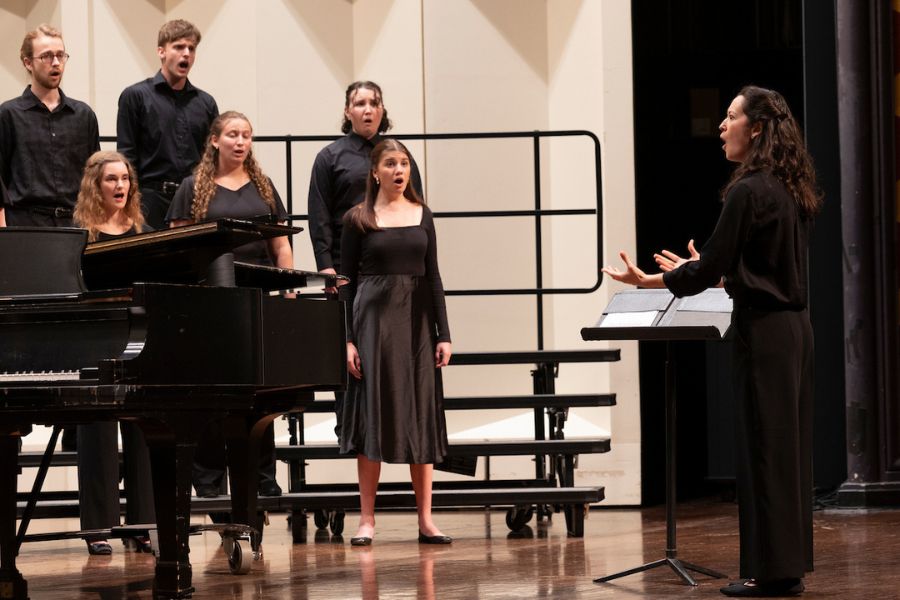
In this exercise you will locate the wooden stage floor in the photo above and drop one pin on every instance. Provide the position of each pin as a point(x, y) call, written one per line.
point(856, 557)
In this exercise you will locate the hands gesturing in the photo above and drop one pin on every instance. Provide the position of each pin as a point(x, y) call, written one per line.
point(669, 261)
point(666, 260)
point(632, 275)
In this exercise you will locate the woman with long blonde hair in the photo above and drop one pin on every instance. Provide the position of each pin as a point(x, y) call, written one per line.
point(229, 183)
point(109, 206)
point(109, 202)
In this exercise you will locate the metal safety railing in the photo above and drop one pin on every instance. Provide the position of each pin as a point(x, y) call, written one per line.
point(539, 290)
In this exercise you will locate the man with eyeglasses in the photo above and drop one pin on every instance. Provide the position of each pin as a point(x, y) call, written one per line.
point(163, 121)
point(45, 139)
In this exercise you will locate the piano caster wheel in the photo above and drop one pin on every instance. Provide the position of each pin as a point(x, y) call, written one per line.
point(337, 522)
point(240, 556)
point(518, 517)
point(320, 517)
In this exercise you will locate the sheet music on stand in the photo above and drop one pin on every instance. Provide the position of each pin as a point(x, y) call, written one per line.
point(657, 315)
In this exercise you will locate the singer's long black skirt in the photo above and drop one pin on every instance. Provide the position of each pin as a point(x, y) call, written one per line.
point(395, 413)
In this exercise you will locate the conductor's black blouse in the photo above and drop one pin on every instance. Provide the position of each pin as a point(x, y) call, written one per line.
point(760, 247)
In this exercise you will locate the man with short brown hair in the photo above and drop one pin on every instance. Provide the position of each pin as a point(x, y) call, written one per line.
point(163, 121)
point(45, 139)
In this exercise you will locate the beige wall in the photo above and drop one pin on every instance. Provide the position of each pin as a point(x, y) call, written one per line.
point(445, 66)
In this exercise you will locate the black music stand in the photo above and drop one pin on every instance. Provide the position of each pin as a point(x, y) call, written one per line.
point(657, 315)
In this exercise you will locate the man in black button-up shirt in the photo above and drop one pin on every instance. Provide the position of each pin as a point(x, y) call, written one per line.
point(45, 139)
point(163, 121)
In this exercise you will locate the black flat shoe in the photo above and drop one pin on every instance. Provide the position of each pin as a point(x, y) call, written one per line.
point(98, 547)
point(434, 539)
point(361, 541)
point(138, 544)
point(207, 491)
point(270, 489)
point(770, 589)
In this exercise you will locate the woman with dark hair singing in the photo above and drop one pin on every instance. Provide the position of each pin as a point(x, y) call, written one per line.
point(397, 339)
point(337, 182)
point(759, 250)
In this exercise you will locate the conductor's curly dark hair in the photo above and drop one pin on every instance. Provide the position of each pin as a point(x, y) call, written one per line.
point(779, 148)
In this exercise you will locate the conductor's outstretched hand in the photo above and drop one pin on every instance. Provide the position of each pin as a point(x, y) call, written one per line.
point(669, 261)
point(632, 275)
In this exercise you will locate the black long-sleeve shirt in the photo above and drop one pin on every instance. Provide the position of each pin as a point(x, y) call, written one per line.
point(760, 245)
point(337, 184)
point(162, 131)
point(43, 152)
point(394, 251)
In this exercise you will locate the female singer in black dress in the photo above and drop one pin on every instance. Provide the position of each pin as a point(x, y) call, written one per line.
point(229, 183)
point(759, 250)
point(338, 181)
point(398, 338)
point(109, 206)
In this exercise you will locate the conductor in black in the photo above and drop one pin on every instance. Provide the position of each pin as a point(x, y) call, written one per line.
point(759, 250)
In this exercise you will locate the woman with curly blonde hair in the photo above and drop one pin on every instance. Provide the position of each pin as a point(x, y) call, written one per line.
point(109, 203)
point(228, 183)
point(109, 206)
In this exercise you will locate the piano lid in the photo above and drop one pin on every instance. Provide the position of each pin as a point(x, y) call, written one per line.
point(41, 261)
point(276, 278)
point(176, 255)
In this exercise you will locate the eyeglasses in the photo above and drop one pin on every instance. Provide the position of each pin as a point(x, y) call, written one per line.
point(47, 57)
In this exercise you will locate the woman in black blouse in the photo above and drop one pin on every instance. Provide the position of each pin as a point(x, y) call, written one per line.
point(229, 183)
point(759, 252)
point(397, 338)
point(109, 206)
point(109, 203)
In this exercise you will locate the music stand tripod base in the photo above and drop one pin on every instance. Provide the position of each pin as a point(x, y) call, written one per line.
point(681, 567)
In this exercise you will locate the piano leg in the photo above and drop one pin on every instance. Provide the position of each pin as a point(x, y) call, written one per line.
point(243, 435)
point(171, 446)
point(12, 585)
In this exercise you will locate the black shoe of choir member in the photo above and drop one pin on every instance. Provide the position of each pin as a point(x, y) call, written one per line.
point(207, 491)
point(140, 543)
point(434, 539)
point(269, 488)
point(750, 588)
point(98, 547)
point(361, 541)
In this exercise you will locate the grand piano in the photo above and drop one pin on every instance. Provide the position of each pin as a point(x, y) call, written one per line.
point(165, 330)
